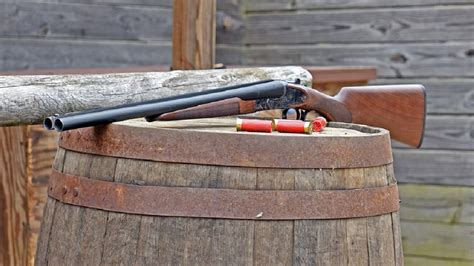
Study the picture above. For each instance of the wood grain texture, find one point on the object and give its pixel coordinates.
(158, 3)
(28, 99)
(194, 39)
(397, 235)
(431, 239)
(365, 239)
(273, 239)
(272, 5)
(343, 4)
(374, 105)
(356, 26)
(53, 20)
(444, 96)
(406, 60)
(453, 132)
(27, 53)
(42, 248)
(427, 261)
(14, 222)
(42, 149)
(434, 166)
(380, 244)
(92, 237)
(449, 132)
(100, 20)
(72, 222)
(437, 204)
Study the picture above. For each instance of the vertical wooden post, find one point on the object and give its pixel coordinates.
(14, 225)
(194, 34)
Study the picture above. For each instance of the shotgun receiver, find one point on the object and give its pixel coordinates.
(397, 108)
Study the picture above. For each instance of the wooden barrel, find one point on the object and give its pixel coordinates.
(135, 194)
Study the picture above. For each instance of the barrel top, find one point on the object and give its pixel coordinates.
(216, 142)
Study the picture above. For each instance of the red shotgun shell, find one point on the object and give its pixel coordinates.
(254, 125)
(319, 123)
(292, 126)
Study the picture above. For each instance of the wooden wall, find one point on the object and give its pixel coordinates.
(37, 34)
(409, 41)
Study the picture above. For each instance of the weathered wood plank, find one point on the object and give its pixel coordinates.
(356, 229)
(397, 235)
(444, 96)
(318, 242)
(356, 26)
(434, 167)
(57, 53)
(42, 150)
(174, 240)
(446, 132)
(28, 99)
(159, 3)
(14, 222)
(428, 261)
(366, 240)
(323, 4)
(110, 22)
(449, 132)
(381, 243)
(70, 220)
(267, 5)
(52, 20)
(438, 240)
(272, 5)
(391, 60)
(42, 53)
(41, 257)
(429, 203)
(272, 238)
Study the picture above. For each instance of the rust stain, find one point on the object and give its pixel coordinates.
(224, 203)
(199, 147)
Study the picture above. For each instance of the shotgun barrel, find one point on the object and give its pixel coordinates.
(150, 109)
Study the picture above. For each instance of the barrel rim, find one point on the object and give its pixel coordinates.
(242, 150)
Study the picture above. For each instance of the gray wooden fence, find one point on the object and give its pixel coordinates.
(409, 41)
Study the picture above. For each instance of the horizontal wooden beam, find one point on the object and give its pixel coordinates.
(434, 166)
(437, 204)
(431, 240)
(395, 60)
(361, 26)
(444, 96)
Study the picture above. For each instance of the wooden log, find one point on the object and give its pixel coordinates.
(28, 99)
(14, 222)
(151, 240)
(194, 34)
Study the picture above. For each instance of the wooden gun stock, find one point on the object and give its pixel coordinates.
(397, 108)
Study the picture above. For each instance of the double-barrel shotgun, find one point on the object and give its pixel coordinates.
(397, 108)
